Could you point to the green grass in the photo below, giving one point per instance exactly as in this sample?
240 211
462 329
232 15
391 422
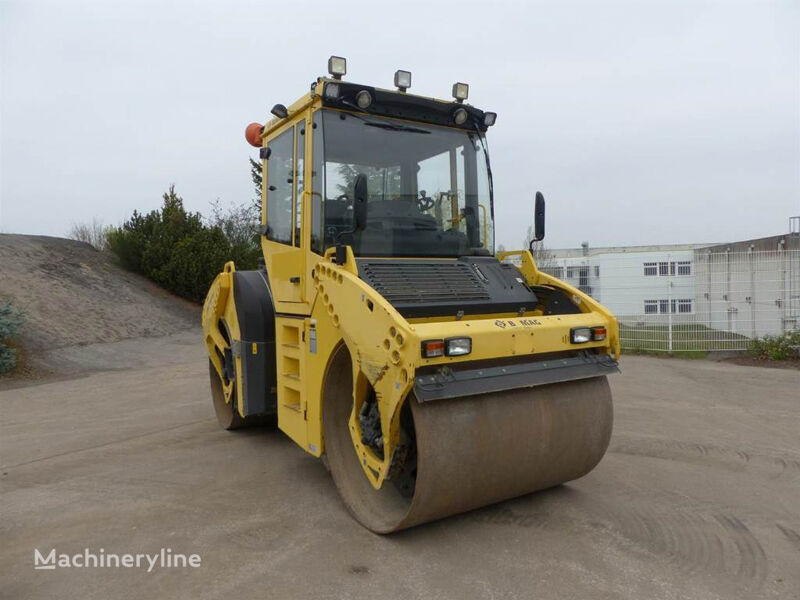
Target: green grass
688 341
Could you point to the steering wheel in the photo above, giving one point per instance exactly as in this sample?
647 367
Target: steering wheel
424 202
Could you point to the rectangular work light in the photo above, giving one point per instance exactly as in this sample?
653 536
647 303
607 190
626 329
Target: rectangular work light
580 335
457 346
460 91
331 90
337 66
402 80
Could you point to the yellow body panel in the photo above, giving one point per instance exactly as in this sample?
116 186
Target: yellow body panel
292 386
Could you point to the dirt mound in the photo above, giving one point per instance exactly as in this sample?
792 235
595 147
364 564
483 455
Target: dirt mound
73 295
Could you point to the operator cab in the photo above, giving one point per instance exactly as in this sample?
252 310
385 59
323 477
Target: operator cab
402 180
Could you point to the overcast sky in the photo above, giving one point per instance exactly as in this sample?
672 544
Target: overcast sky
642 122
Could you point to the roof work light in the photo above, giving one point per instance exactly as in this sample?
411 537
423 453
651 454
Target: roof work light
402 80
460 91
337 66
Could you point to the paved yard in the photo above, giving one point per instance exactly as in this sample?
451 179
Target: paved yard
698 497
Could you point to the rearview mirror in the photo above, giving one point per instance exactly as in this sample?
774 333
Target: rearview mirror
538 218
360 197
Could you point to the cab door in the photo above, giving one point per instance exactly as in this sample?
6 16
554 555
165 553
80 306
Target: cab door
284 240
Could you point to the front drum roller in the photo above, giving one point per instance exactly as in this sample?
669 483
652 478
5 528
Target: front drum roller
472 451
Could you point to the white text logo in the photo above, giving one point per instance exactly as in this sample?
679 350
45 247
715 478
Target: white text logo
88 559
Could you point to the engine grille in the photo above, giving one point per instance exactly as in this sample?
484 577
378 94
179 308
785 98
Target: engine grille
428 282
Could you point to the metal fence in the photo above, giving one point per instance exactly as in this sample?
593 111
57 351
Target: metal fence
691 300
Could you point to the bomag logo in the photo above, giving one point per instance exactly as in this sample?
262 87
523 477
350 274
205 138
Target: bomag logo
503 323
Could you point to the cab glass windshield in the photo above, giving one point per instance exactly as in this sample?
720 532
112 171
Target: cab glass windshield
429 191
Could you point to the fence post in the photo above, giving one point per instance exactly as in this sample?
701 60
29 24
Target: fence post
751 257
785 299
669 302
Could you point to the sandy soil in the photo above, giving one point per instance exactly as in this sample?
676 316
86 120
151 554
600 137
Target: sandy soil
73 295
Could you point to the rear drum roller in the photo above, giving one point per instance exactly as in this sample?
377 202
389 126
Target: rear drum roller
472 451
227 415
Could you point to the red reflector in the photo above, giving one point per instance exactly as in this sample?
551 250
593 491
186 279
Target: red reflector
598 334
433 348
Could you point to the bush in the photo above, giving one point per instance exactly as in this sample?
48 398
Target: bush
10 322
182 252
92 233
241 225
776 347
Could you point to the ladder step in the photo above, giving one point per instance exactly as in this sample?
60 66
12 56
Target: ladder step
292 383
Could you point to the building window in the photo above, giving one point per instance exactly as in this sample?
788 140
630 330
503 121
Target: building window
666 306
570 272
583 276
597 272
666 268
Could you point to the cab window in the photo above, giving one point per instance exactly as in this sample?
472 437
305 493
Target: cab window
298 181
279 188
317 184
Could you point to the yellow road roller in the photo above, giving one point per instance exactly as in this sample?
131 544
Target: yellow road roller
383 332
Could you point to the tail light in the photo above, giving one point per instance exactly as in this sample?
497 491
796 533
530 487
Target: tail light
432 348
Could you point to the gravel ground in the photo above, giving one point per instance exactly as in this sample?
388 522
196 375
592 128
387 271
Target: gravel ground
72 295
698 497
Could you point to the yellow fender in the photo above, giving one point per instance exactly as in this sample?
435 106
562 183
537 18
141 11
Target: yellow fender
219 307
383 348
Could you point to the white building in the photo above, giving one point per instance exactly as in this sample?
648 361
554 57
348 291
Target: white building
743 289
750 288
657 281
